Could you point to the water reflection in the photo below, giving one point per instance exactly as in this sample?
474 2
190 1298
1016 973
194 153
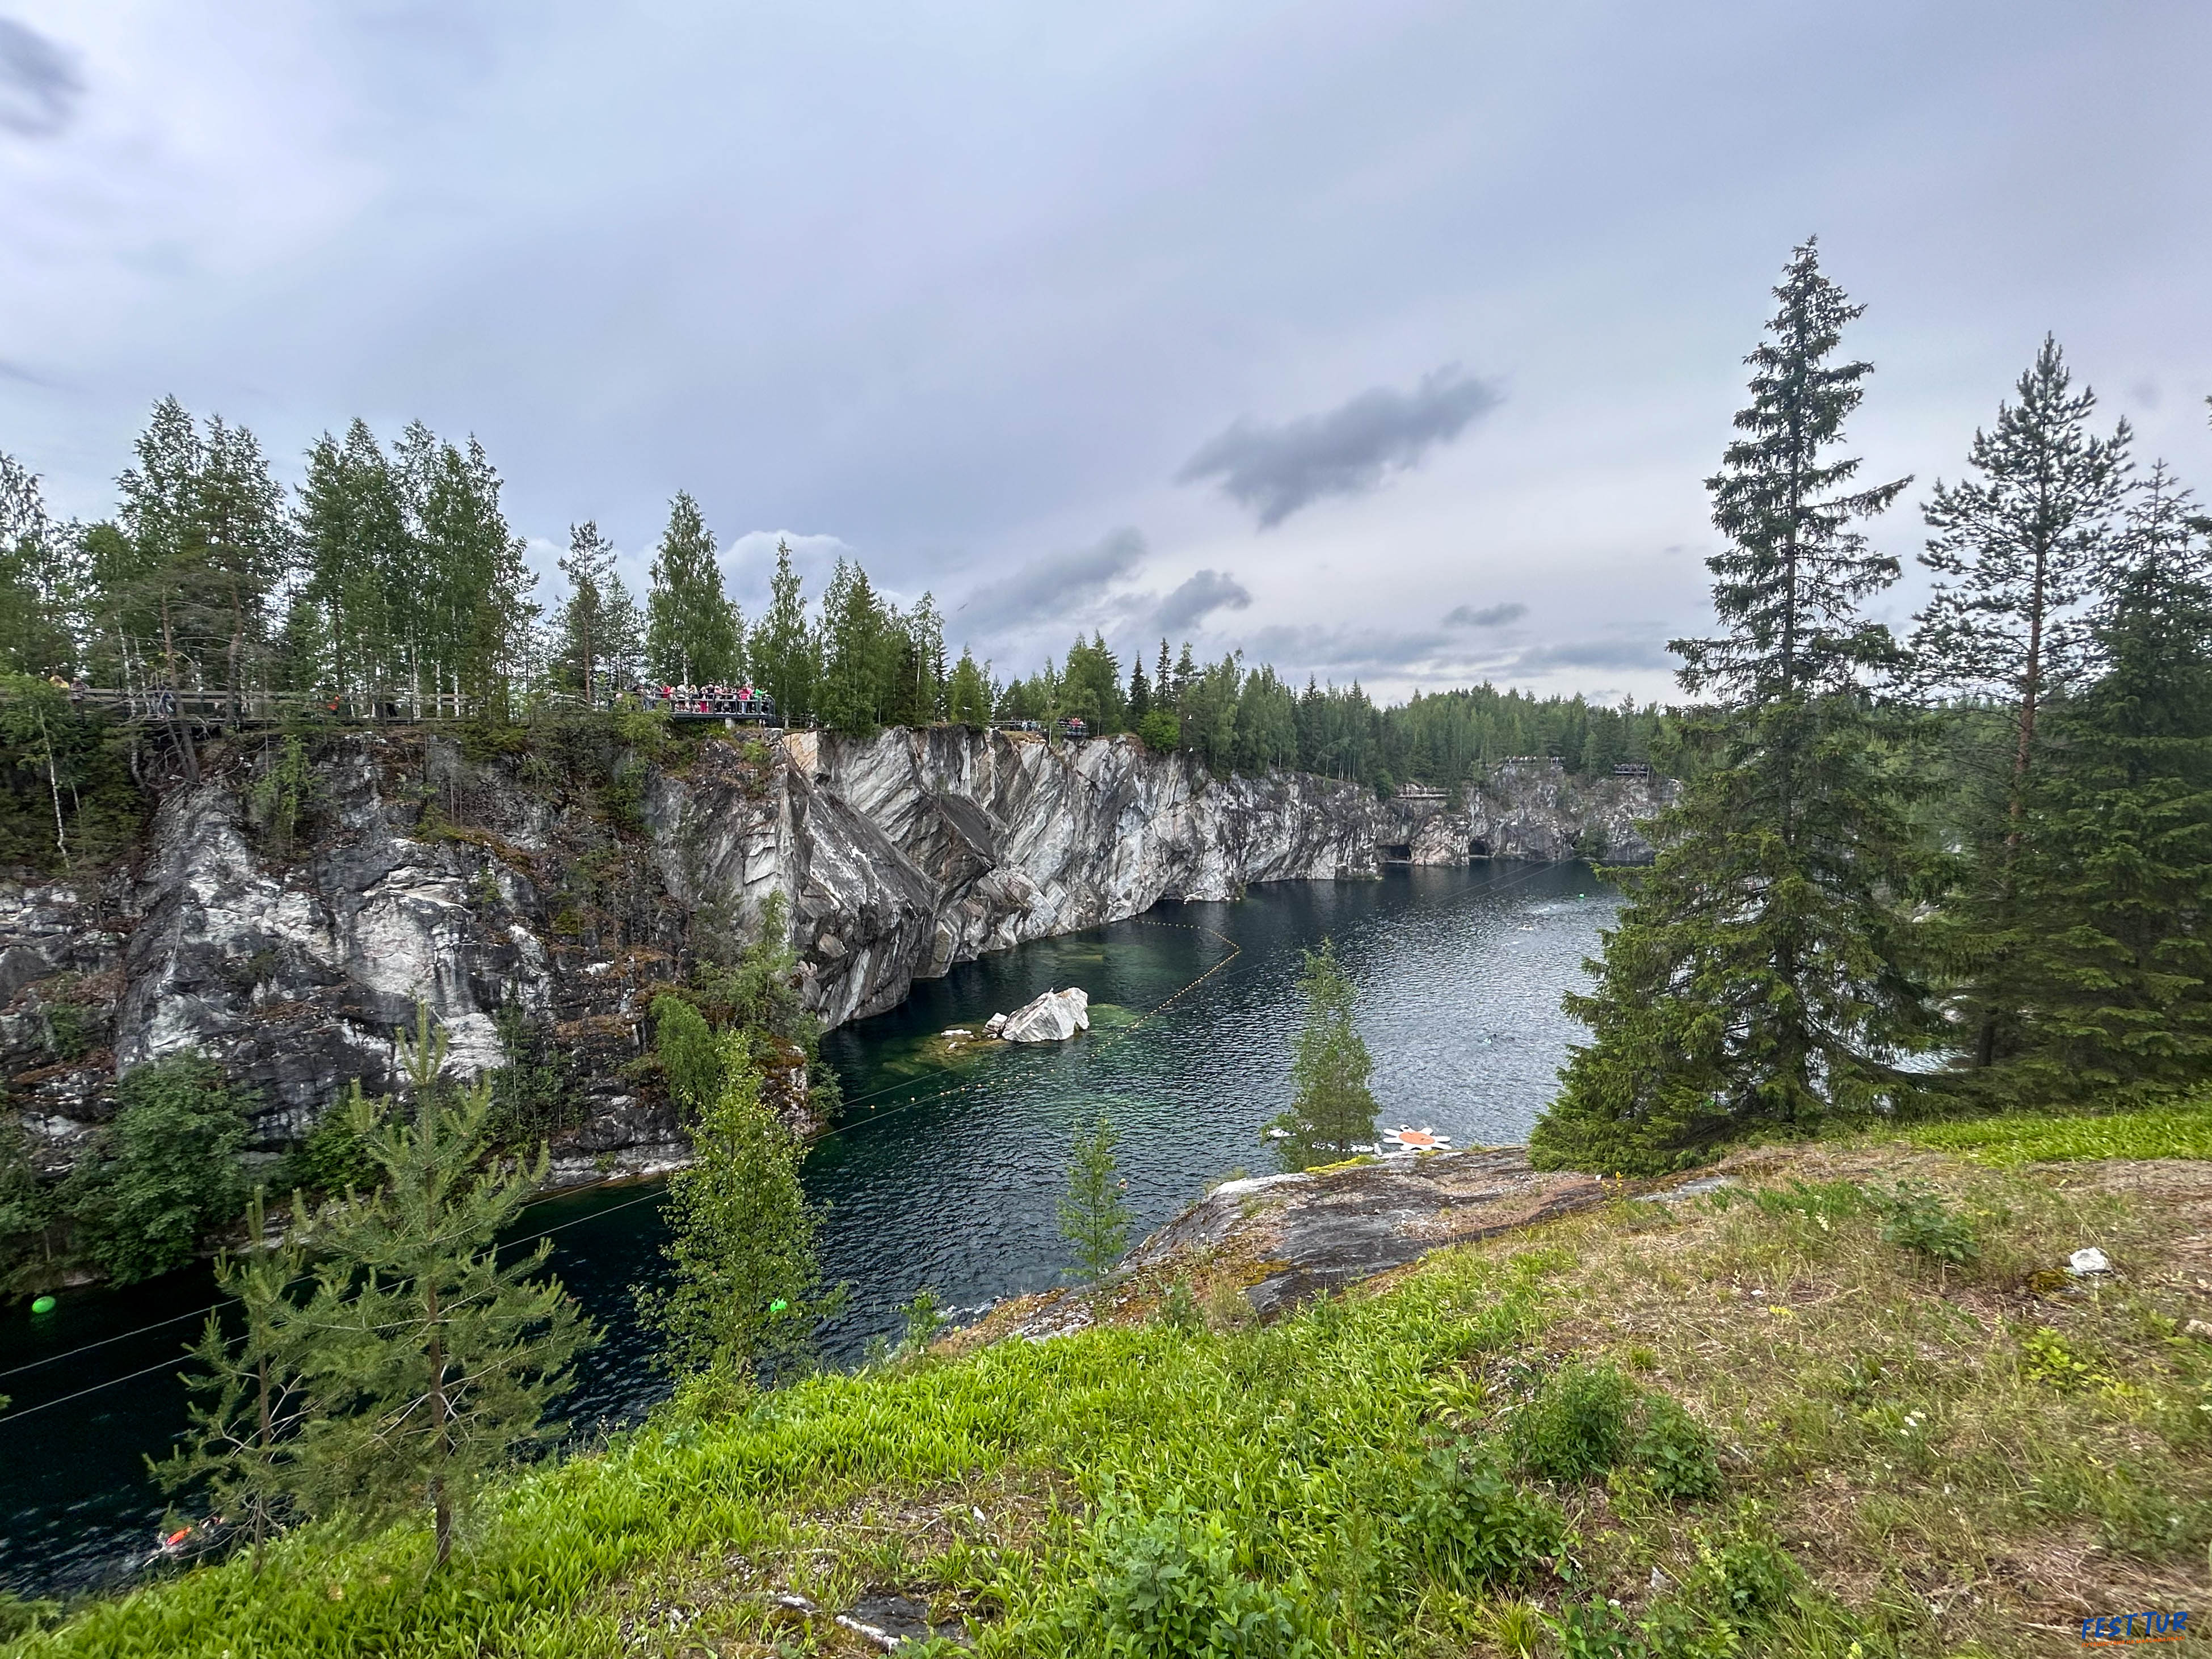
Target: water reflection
947 1169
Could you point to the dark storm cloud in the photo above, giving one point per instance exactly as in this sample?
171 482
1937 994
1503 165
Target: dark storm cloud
1277 470
38 85
1053 587
1596 654
1495 615
1203 594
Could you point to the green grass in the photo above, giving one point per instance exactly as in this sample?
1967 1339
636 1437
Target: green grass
1852 1434
2017 1138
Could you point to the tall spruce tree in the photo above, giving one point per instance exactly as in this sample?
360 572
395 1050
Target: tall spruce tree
692 635
2110 979
783 656
1331 1110
430 1361
968 692
859 653
1762 970
2016 550
581 655
622 631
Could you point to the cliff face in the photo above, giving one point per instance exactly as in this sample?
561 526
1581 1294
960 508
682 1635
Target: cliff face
555 890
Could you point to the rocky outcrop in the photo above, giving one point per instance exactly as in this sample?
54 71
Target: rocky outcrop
1053 1018
1316 1233
1540 811
554 885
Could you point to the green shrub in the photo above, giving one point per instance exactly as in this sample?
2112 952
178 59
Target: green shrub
1578 1424
1160 730
168 1168
690 1057
1593 1629
1920 1221
1676 1451
1750 1580
1179 1309
333 1157
533 1095
1165 1586
1469 1525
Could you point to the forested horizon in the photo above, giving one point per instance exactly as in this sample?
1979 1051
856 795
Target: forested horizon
389 582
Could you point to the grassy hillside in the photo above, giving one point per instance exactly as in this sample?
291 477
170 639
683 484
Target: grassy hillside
1851 1407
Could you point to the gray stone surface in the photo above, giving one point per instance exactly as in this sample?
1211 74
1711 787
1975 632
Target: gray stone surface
421 873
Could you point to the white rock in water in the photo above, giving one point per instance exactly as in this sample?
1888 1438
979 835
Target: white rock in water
956 1032
1053 1018
993 1026
2082 1264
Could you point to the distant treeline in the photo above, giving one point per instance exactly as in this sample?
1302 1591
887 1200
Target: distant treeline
390 580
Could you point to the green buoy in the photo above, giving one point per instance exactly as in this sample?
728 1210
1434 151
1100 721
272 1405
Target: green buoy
44 1305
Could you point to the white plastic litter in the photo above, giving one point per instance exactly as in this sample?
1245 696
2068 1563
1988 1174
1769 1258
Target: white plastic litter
2087 1263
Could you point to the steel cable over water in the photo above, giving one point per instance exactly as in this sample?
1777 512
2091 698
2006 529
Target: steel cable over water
1107 1040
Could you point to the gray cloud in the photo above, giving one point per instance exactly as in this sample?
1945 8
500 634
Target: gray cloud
1596 654
1495 615
38 85
1277 470
1055 585
1204 593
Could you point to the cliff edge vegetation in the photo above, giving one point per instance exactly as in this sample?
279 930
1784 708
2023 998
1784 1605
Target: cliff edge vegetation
1851 1403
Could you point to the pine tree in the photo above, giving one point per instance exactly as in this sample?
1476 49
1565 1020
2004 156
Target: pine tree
1140 694
2111 978
783 655
622 630
745 1286
1092 1216
1163 684
590 568
693 635
2016 550
429 1361
241 1438
1332 1111
1763 969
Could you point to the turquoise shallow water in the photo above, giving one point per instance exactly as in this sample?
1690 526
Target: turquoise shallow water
944 1172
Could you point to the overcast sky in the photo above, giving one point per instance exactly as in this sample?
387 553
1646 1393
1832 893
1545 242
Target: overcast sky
1387 340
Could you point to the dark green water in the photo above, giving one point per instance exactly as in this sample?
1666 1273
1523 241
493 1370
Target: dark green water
943 1174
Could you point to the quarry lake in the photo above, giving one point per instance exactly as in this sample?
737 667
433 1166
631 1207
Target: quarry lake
944 1171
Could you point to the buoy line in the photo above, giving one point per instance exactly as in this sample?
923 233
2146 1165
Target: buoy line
654 1196
1235 951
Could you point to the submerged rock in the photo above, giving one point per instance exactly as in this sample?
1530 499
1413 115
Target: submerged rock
1053 1018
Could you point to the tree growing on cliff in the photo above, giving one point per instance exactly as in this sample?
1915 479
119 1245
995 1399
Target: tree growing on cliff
693 635
164 1171
429 1361
1764 967
1332 1111
1092 1217
744 1286
784 661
